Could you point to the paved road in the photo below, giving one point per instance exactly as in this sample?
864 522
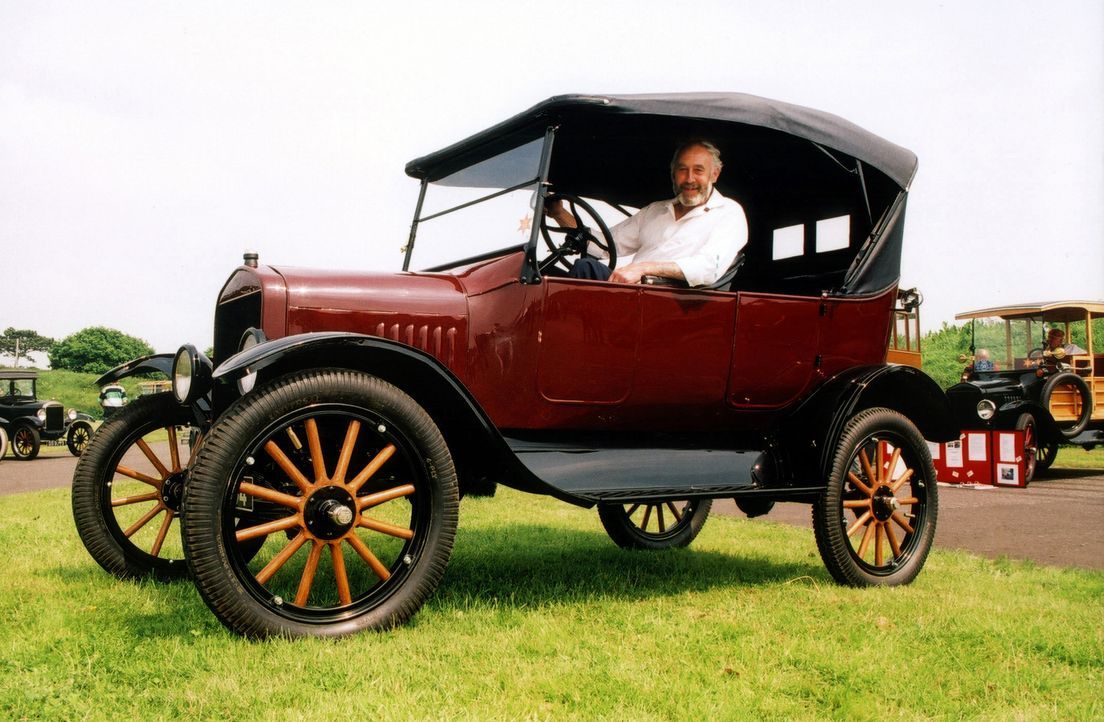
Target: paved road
1055 521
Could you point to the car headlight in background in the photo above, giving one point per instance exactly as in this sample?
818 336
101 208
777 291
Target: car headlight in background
191 374
41 415
252 337
986 409
72 414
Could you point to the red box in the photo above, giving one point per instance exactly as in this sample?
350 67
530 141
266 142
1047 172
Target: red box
969 460
1008 458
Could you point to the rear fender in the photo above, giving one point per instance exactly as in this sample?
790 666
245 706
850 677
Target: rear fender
811 433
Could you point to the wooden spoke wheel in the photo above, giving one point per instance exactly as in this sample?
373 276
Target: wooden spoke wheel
25 442
1026 424
78 436
875 521
127 489
654 524
349 486
1045 456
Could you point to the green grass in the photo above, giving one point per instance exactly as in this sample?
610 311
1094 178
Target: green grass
540 616
1071 457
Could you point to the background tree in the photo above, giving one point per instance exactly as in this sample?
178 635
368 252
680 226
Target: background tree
17 342
941 350
96 349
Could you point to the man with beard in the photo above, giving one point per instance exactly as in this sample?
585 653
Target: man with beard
693 237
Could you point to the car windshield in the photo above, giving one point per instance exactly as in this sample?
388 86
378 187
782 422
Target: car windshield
20 388
485 208
1009 342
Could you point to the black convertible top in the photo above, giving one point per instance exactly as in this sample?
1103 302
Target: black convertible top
816 126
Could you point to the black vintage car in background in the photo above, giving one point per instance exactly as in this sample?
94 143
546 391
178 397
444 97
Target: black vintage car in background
30 421
1013 380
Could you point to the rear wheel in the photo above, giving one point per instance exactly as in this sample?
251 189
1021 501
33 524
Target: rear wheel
875 521
25 442
127 489
654 525
1026 424
349 486
1045 456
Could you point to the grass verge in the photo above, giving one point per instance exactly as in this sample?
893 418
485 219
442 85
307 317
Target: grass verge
540 616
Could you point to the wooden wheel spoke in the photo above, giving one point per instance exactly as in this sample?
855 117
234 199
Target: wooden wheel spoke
141 444
138 476
659 518
340 577
280 559
276 497
856 504
909 501
314 444
902 481
675 512
143 521
647 516
373 466
289 468
195 448
893 543
863 519
879 560
902 522
346 451
867 469
866 539
162 533
385 528
252 532
631 510
381 497
888 471
124 500
858 483
309 570
174 452
368 557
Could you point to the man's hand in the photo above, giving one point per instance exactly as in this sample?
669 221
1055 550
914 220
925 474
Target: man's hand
633 272
554 209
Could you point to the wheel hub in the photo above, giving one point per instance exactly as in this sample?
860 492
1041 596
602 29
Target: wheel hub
172 490
885 503
330 512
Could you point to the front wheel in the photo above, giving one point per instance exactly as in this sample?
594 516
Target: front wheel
349 487
127 489
875 521
78 436
1026 424
654 525
1045 456
25 442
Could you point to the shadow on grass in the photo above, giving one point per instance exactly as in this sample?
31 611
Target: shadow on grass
521 566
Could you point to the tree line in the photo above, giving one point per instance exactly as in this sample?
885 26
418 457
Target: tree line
95 349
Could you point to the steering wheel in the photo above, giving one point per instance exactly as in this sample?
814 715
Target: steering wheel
575 239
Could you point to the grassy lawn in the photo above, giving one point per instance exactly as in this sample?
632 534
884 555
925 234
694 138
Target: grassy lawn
541 616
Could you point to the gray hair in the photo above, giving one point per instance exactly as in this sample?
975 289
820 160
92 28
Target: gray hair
713 151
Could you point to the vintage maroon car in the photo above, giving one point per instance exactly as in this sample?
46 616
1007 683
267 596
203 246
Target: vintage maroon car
346 413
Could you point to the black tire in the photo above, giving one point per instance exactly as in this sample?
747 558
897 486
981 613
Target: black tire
118 488
1082 406
643 525
1045 456
270 454
865 486
1026 424
25 442
3 442
78 436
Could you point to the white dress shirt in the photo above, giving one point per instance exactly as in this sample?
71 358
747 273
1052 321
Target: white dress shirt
703 242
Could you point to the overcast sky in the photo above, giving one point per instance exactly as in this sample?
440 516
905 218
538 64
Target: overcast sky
145 145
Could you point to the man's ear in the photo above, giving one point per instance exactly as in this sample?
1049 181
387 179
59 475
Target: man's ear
716 174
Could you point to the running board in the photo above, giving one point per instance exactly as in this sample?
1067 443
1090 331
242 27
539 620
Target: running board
633 474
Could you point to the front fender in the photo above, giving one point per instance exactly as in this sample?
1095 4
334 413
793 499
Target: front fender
156 363
478 449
